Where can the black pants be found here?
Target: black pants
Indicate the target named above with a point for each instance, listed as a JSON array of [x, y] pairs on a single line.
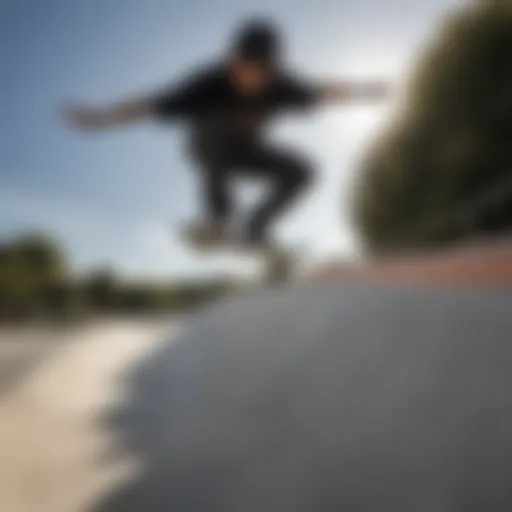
[[287, 173]]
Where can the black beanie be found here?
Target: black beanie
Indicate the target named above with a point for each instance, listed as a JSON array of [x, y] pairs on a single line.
[[258, 40]]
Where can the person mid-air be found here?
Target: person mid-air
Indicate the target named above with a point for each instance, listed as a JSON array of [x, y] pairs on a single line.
[[227, 106]]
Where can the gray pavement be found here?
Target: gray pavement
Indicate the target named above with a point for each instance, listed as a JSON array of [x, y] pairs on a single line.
[[326, 398]]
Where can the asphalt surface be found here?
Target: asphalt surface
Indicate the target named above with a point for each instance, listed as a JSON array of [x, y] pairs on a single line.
[[326, 398]]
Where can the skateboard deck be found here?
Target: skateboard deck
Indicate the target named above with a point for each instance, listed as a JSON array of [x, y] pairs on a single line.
[[279, 261]]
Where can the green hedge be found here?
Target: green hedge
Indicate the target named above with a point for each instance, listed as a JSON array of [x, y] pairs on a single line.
[[440, 171]]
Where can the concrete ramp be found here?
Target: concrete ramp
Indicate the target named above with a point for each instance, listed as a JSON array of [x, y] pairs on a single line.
[[356, 398]]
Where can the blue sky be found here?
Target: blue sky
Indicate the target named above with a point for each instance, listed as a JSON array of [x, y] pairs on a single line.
[[120, 197]]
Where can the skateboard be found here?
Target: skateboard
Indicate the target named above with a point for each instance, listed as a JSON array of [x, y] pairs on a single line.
[[279, 261]]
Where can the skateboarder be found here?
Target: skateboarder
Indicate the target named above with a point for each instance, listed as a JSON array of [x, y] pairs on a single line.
[[227, 105]]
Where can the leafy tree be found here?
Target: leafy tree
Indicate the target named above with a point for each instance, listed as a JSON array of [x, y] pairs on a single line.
[[64, 301], [442, 171], [102, 289], [36, 280], [28, 265]]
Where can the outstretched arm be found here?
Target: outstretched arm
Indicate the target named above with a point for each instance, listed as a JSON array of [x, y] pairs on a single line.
[[188, 99], [354, 91], [100, 118]]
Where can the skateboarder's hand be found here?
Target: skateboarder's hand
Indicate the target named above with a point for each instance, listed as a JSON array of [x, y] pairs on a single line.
[[84, 118]]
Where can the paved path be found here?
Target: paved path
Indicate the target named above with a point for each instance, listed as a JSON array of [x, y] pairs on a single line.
[[48, 438], [22, 349], [307, 399]]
